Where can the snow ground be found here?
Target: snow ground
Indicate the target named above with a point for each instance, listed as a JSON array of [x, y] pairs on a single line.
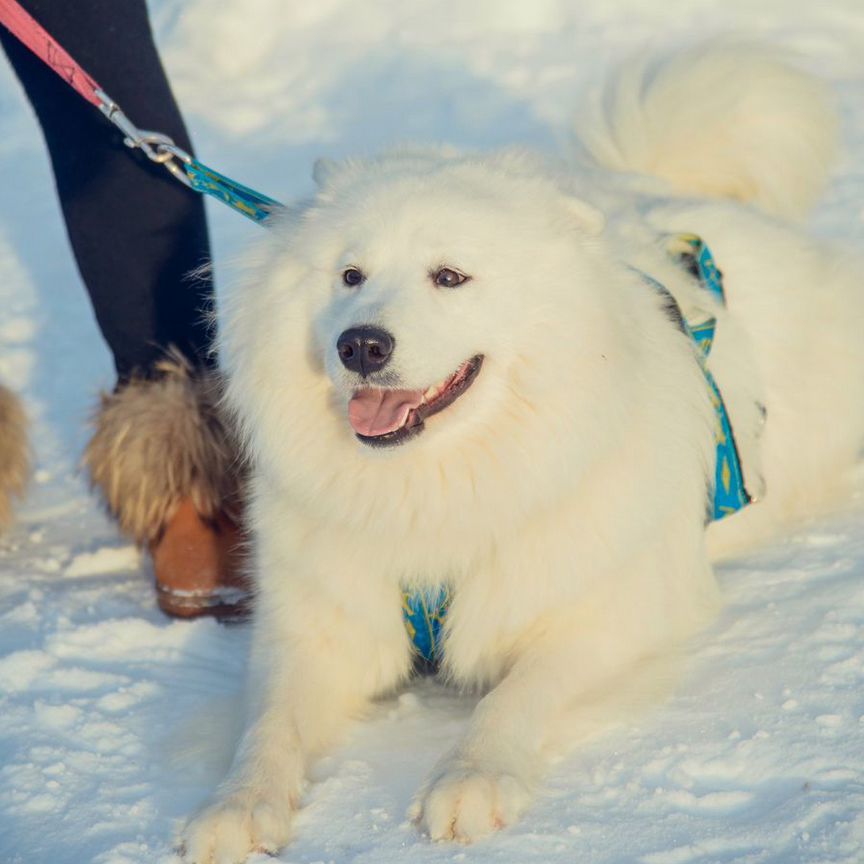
[[759, 755]]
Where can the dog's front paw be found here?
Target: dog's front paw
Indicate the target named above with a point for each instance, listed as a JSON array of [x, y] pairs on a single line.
[[466, 803], [226, 831]]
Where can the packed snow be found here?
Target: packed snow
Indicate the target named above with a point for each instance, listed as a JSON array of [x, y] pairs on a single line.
[[110, 714]]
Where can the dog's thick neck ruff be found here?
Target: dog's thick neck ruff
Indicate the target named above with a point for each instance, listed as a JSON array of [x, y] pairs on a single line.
[[424, 611]]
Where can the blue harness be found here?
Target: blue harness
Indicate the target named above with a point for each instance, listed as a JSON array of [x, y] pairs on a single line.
[[730, 493], [424, 611]]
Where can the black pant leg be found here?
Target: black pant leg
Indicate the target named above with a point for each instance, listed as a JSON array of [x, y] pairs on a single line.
[[136, 232]]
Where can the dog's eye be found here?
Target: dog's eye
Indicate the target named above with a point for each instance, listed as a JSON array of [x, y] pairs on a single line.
[[447, 277], [353, 277]]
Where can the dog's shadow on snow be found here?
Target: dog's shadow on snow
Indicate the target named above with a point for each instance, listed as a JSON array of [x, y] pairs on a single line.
[[385, 754]]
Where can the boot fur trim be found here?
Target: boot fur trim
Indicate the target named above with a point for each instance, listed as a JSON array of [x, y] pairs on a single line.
[[158, 441], [14, 452]]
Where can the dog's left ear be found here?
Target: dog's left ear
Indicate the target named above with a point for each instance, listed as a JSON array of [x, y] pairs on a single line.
[[324, 170], [590, 219]]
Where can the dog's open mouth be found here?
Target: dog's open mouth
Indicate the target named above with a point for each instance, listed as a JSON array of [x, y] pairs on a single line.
[[383, 417]]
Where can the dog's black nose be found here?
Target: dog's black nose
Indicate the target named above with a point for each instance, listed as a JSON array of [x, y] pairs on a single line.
[[365, 349]]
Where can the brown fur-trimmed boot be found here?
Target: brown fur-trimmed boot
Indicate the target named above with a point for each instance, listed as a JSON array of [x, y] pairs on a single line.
[[167, 466], [14, 452]]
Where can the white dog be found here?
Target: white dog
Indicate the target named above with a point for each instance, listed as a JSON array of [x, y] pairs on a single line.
[[455, 370]]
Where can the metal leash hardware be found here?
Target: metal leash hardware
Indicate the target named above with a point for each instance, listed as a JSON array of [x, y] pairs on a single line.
[[156, 146]]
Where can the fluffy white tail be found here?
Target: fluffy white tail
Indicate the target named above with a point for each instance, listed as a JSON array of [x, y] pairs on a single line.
[[721, 120]]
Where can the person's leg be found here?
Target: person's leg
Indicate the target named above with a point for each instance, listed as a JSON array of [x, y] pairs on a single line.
[[160, 454], [136, 232]]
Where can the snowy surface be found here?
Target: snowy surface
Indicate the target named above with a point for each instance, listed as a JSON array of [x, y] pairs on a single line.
[[759, 754]]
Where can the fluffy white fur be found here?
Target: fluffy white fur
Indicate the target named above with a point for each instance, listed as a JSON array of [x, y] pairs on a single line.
[[709, 127], [563, 497]]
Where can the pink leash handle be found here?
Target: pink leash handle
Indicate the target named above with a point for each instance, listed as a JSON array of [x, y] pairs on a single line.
[[22, 25], [157, 147]]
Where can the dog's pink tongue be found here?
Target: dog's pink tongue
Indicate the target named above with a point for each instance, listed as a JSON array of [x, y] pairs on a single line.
[[376, 412]]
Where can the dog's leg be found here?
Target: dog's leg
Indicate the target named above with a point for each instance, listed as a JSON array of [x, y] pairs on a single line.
[[488, 779], [317, 658], [562, 662]]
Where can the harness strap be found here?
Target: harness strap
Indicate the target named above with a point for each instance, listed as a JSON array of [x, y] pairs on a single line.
[[156, 146], [730, 492], [423, 613]]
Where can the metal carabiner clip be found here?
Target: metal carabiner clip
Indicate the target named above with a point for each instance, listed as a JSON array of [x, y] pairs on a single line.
[[162, 149], [155, 146]]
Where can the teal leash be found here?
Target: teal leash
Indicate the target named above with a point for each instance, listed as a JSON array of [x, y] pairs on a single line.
[[249, 203]]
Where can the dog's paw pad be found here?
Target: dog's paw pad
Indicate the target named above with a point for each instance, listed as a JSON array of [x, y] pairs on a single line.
[[468, 805], [227, 831]]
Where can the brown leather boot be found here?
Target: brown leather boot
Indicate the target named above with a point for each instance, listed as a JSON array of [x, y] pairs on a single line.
[[198, 564], [14, 452], [166, 462]]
